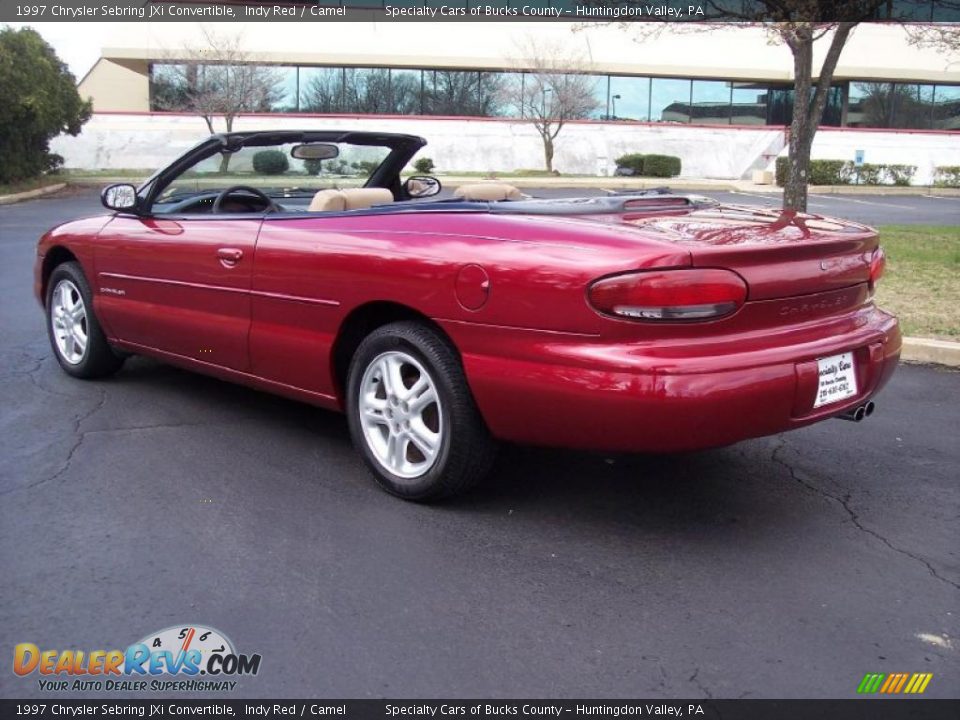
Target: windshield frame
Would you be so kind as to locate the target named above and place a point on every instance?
(402, 148)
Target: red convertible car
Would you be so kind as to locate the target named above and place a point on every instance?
(299, 262)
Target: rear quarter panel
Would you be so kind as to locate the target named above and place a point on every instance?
(311, 272)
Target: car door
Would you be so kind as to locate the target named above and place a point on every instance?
(179, 285)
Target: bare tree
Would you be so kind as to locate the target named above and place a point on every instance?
(942, 37)
(799, 24)
(552, 91)
(216, 79)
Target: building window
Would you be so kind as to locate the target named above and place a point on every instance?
(748, 104)
(629, 98)
(366, 91)
(510, 88)
(493, 93)
(780, 106)
(457, 92)
(406, 87)
(670, 100)
(710, 103)
(946, 107)
(285, 97)
(321, 90)
(890, 105)
(168, 86)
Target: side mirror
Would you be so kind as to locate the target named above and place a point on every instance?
(119, 197)
(421, 186)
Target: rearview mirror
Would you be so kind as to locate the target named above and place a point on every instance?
(421, 186)
(119, 197)
(315, 151)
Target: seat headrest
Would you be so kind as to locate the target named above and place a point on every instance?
(328, 201)
(358, 198)
(349, 199)
(488, 191)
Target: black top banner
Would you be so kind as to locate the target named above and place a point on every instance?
(880, 709)
(922, 11)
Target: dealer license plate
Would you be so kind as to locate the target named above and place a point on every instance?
(838, 379)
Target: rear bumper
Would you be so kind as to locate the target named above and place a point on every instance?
(580, 393)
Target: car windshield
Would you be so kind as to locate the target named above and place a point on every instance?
(275, 172)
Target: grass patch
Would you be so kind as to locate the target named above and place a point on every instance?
(922, 281)
(119, 172)
(32, 184)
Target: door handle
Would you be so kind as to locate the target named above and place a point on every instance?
(230, 256)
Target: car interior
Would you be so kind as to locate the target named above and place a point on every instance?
(300, 172)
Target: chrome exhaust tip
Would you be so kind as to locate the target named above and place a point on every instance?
(855, 414)
(858, 413)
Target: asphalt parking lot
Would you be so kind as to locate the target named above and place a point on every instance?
(788, 566)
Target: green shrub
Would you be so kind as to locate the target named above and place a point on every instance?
(270, 162)
(845, 172)
(783, 167)
(946, 176)
(661, 166)
(312, 166)
(365, 167)
(54, 163)
(869, 174)
(634, 161)
(826, 172)
(822, 172)
(423, 165)
(901, 174)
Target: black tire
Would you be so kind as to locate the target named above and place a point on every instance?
(98, 359)
(466, 448)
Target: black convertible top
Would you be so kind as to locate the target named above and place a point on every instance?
(256, 138)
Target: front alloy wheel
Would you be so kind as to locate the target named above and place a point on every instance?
(78, 342)
(68, 316)
(412, 416)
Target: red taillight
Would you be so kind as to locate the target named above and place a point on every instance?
(878, 263)
(687, 294)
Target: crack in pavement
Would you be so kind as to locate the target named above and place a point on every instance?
(844, 502)
(79, 438)
(82, 435)
(695, 679)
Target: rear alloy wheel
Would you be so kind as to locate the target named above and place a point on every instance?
(412, 416)
(75, 335)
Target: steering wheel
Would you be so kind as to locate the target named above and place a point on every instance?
(271, 206)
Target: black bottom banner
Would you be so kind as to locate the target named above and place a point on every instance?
(860, 709)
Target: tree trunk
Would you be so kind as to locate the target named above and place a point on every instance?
(795, 187)
(807, 111)
(548, 152)
(225, 157)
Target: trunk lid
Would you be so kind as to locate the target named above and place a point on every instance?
(780, 254)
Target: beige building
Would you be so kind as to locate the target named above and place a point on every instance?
(726, 77)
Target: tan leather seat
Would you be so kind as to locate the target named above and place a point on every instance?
(488, 191)
(328, 201)
(349, 199)
(359, 198)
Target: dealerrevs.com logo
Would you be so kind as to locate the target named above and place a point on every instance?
(187, 658)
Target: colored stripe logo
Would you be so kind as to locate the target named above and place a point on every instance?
(894, 683)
